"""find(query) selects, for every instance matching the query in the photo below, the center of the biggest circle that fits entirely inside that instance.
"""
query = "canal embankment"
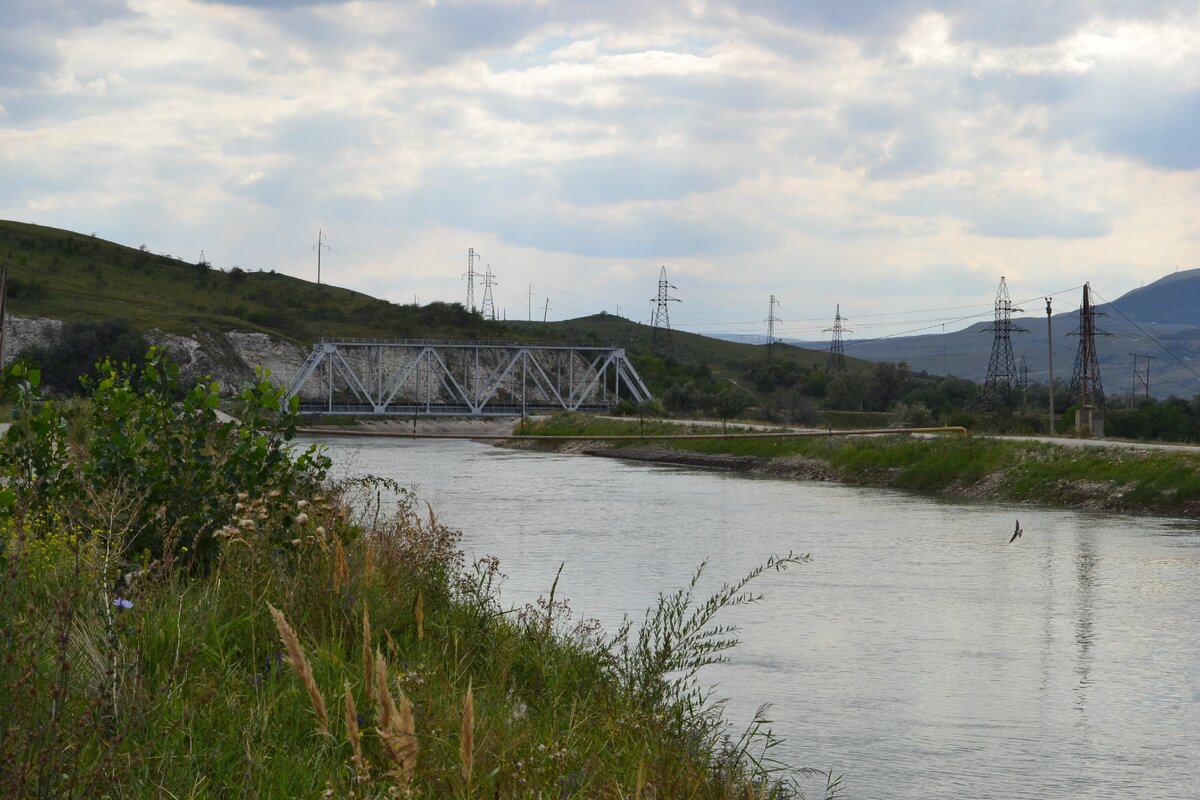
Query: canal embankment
(1113, 478)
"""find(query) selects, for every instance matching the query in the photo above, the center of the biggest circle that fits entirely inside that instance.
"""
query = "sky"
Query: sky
(893, 158)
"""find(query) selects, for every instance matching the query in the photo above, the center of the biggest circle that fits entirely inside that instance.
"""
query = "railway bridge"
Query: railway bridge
(457, 378)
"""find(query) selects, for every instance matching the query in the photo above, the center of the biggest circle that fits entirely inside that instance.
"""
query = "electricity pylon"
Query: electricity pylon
(1002, 377)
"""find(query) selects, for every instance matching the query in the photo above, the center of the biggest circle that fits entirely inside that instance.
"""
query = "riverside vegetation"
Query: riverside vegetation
(189, 608)
(1134, 481)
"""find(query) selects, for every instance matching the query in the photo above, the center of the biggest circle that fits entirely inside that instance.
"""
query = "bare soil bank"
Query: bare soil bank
(791, 467)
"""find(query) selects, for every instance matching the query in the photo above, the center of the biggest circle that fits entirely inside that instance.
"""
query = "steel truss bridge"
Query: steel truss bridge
(428, 378)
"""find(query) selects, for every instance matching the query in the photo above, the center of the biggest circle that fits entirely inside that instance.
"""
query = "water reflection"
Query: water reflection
(920, 653)
(1085, 574)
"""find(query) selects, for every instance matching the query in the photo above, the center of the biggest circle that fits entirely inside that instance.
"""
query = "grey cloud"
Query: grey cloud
(28, 52)
(1006, 214)
(641, 176)
(1016, 22)
(1157, 127)
(59, 14)
(521, 206)
(1138, 115)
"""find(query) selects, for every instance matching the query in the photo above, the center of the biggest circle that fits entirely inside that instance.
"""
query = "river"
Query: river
(919, 654)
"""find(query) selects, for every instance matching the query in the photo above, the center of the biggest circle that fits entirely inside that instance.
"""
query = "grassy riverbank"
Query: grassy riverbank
(1135, 481)
(189, 609)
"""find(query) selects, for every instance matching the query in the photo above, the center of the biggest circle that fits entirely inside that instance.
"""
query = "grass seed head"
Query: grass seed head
(300, 664)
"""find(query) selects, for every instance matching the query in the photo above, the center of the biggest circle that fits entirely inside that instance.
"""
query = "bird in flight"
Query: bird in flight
(1016, 533)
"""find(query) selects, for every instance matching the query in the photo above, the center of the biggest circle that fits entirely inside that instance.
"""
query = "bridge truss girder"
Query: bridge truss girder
(405, 378)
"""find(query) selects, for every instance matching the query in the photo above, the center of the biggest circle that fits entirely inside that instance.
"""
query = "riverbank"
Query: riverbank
(189, 607)
(1135, 481)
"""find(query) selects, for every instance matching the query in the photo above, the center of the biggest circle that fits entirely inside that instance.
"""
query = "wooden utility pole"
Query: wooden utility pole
(1050, 354)
(321, 237)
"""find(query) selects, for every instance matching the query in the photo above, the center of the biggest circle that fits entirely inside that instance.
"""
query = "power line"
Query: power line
(1149, 336)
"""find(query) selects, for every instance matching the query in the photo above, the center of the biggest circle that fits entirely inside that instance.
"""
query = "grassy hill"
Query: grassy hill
(71, 276)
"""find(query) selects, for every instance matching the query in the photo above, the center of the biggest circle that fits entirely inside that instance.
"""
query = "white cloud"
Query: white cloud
(824, 153)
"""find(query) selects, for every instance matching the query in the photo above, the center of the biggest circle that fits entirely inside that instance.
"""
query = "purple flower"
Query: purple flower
(121, 602)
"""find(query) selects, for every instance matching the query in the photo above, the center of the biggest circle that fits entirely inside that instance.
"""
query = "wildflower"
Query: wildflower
(302, 518)
(121, 602)
(301, 504)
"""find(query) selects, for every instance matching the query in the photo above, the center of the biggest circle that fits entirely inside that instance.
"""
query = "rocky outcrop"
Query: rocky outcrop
(230, 358)
(24, 332)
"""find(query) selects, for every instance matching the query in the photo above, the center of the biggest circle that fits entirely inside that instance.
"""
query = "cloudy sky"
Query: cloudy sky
(895, 157)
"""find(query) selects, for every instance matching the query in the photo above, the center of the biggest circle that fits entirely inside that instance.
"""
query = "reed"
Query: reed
(419, 612)
(467, 740)
(299, 662)
(396, 728)
(352, 731)
(341, 569)
(368, 683)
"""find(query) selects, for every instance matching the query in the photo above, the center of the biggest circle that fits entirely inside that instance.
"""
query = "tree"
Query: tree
(75, 348)
(887, 384)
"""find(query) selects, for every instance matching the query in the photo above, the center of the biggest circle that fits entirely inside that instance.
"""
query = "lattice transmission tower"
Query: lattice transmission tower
(1141, 378)
(1085, 378)
(771, 320)
(470, 277)
(662, 315)
(1002, 377)
(488, 309)
(837, 351)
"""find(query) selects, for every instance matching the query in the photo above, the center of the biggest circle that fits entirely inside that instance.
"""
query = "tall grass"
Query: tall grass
(323, 649)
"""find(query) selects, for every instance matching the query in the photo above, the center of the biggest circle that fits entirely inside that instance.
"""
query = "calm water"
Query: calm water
(919, 654)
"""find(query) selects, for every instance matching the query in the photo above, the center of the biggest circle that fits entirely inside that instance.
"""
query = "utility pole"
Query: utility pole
(837, 351)
(470, 276)
(662, 315)
(771, 320)
(318, 246)
(1050, 361)
(545, 312)
(529, 303)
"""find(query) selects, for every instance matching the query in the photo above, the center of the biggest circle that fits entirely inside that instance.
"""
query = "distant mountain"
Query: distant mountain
(1161, 320)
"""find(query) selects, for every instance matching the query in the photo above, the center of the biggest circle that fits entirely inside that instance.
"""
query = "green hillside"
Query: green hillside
(70, 276)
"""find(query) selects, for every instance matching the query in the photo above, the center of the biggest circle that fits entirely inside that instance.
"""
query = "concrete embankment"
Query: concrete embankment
(466, 427)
